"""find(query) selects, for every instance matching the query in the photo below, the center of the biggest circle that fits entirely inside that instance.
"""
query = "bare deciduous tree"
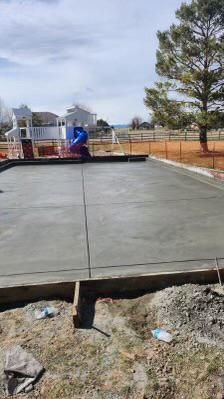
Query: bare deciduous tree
(5, 115)
(82, 106)
(136, 122)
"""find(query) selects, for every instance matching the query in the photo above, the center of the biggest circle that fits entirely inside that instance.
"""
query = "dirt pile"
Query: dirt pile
(193, 310)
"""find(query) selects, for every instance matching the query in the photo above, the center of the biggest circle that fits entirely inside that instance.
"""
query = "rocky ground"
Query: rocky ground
(119, 358)
(194, 311)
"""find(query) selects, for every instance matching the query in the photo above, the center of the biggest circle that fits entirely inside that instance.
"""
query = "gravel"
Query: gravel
(193, 310)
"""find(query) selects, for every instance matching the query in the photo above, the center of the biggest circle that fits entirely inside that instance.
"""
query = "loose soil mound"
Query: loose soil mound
(196, 311)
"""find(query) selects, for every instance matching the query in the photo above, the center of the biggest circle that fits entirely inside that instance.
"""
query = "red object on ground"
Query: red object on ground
(27, 149)
(106, 300)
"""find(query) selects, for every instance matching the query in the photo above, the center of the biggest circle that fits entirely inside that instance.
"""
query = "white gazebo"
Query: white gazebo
(22, 124)
(23, 129)
(22, 117)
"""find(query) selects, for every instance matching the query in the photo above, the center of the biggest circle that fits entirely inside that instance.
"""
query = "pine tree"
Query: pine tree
(190, 60)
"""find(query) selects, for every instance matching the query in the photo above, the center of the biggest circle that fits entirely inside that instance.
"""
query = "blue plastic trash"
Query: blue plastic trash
(46, 312)
(162, 335)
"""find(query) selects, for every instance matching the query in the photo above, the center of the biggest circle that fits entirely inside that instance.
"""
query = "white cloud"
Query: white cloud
(101, 52)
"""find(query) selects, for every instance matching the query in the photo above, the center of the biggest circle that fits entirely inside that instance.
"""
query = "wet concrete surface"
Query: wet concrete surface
(68, 222)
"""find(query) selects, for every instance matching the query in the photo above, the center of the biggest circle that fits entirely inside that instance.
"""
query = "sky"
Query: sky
(99, 53)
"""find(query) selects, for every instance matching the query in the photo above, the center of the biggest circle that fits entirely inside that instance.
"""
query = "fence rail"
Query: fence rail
(166, 135)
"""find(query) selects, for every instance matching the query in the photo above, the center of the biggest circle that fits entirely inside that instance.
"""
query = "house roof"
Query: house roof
(68, 114)
(21, 113)
(145, 124)
(75, 110)
(47, 117)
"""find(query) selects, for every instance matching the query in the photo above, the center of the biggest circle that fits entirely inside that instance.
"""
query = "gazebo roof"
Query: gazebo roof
(21, 113)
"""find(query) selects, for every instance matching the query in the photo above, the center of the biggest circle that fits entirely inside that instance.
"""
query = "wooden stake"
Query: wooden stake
(218, 271)
(76, 305)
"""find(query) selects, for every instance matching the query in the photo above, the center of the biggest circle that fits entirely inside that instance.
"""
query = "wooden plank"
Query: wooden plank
(218, 271)
(76, 305)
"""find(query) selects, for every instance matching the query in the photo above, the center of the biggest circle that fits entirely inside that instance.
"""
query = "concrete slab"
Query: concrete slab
(148, 215)
(34, 186)
(42, 240)
(133, 234)
(137, 183)
(42, 229)
(60, 222)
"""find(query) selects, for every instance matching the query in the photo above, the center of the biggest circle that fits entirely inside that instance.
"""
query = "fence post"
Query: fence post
(166, 149)
(180, 151)
(149, 147)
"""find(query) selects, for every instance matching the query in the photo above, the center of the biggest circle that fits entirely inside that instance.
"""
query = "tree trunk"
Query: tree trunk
(203, 139)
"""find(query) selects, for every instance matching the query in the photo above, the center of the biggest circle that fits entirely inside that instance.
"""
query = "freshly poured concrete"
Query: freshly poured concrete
(67, 222)
(42, 226)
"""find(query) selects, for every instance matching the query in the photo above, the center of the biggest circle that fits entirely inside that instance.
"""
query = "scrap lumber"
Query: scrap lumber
(76, 305)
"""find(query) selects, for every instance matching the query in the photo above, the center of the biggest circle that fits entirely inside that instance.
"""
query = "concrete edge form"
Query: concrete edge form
(4, 165)
(211, 178)
(120, 287)
(57, 161)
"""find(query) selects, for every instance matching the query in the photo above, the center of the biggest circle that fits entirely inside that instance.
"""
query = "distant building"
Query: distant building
(194, 126)
(47, 118)
(158, 126)
(145, 126)
(77, 116)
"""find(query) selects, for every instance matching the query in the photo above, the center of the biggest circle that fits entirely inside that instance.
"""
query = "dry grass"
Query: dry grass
(129, 364)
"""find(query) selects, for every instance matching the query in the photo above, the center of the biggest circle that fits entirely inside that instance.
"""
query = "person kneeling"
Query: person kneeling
(79, 145)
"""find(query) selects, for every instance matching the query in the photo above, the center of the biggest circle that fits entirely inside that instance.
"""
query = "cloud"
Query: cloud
(48, 1)
(36, 32)
(101, 52)
(6, 63)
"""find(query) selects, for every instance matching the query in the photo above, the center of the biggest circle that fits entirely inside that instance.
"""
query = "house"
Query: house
(47, 118)
(145, 126)
(158, 126)
(77, 116)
